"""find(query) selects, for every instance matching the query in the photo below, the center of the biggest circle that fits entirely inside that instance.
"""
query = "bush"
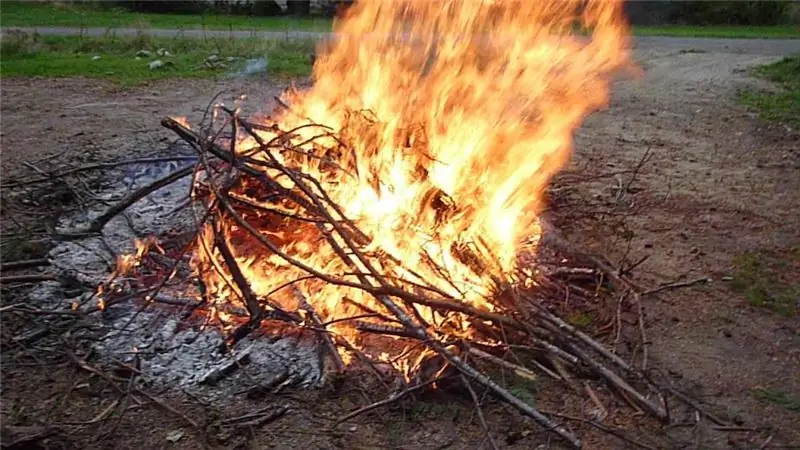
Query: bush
(764, 12)
(167, 7)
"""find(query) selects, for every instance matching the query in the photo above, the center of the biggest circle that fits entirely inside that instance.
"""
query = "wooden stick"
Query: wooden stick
(680, 284)
(27, 278)
(24, 264)
(96, 226)
(106, 165)
(479, 411)
(517, 369)
(391, 399)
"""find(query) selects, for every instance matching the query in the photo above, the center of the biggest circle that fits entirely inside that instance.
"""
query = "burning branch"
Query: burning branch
(265, 198)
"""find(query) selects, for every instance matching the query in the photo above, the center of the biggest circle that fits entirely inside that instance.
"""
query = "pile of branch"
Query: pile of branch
(520, 320)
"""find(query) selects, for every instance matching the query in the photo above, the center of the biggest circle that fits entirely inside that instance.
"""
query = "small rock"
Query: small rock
(158, 64)
(95, 57)
(163, 52)
(144, 54)
(175, 435)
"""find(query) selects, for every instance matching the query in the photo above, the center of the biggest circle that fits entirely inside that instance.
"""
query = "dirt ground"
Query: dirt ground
(717, 183)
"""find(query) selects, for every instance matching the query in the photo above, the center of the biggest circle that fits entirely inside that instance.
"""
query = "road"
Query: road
(764, 47)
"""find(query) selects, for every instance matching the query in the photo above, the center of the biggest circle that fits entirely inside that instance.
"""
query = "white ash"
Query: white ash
(91, 259)
(187, 358)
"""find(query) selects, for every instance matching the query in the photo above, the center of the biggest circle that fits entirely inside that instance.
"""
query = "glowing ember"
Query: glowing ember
(446, 121)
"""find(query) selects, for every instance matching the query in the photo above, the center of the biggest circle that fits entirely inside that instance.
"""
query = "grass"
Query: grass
(784, 104)
(26, 14)
(762, 283)
(716, 31)
(115, 59)
(778, 398)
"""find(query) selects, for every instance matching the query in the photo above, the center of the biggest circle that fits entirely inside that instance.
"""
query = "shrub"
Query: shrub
(764, 12)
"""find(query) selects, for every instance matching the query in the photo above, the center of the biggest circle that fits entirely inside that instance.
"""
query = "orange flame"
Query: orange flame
(456, 114)
(126, 263)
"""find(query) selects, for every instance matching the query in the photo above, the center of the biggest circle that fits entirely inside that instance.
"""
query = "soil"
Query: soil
(715, 183)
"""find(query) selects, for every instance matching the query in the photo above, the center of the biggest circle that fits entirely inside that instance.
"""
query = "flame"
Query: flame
(183, 120)
(455, 115)
(126, 263)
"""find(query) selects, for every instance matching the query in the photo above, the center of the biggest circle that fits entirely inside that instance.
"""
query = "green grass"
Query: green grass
(24, 14)
(763, 285)
(778, 398)
(783, 105)
(52, 56)
(766, 32)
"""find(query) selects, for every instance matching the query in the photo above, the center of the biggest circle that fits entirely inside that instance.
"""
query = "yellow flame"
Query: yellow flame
(455, 115)
(126, 262)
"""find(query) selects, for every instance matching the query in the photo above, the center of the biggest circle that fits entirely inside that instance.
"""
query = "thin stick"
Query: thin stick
(388, 400)
(250, 300)
(98, 223)
(656, 410)
(27, 278)
(169, 408)
(24, 264)
(680, 284)
(518, 370)
(106, 165)
(642, 333)
(326, 338)
(612, 431)
(479, 411)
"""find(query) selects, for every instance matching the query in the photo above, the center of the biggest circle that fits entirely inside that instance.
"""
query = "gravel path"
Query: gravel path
(746, 46)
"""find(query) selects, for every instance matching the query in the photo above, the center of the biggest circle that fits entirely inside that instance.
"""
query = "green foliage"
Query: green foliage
(524, 393)
(161, 7)
(783, 105)
(758, 12)
(720, 31)
(778, 398)
(580, 319)
(27, 14)
(761, 285)
(785, 71)
(52, 56)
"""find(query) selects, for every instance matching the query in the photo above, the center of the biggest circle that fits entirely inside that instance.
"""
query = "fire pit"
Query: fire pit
(387, 220)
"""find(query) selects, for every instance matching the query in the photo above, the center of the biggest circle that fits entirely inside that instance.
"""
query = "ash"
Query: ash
(169, 352)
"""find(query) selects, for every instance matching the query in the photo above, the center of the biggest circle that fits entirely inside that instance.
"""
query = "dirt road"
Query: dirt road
(718, 184)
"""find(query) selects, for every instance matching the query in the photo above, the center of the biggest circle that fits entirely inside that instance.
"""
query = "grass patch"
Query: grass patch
(581, 320)
(783, 105)
(125, 61)
(778, 398)
(29, 14)
(714, 31)
(761, 283)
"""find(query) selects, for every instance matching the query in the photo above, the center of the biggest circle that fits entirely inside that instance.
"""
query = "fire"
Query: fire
(126, 263)
(454, 117)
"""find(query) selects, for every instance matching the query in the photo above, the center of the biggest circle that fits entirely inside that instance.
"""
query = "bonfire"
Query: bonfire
(393, 209)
